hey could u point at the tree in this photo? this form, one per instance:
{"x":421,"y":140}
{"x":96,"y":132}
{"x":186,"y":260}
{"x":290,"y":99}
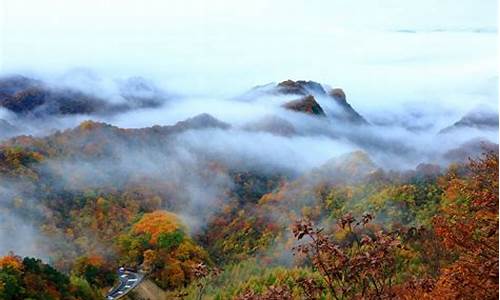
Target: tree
{"x":158,"y":244}
{"x":468,"y":226}
{"x":363,"y":265}
{"x":30,"y":278}
{"x":170,"y":240}
{"x":10,"y":283}
{"x":94,"y":270}
{"x":157,"y":223}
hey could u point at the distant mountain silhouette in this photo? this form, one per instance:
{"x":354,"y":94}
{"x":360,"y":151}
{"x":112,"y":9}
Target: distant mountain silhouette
{"x":272,"y":124}
{"x":29,"y":97}
{"x":478,"y":120}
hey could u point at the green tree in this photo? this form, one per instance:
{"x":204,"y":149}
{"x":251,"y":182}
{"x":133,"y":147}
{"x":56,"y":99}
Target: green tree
{"x":170,"y":240}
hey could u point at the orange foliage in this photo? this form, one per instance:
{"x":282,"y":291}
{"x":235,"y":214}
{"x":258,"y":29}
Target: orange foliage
{"x":156,"y":223}
{"x":12,"y":261}
{"x":95,"y":260}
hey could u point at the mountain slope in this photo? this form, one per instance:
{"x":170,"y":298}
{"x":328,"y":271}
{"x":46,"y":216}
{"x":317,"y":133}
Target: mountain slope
{"x":477,"y":119}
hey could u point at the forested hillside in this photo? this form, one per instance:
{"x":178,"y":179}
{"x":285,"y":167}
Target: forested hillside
{"x":348,"y":229}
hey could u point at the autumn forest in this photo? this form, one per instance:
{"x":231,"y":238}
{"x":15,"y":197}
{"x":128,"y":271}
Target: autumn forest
{"x":249,"y":150}
{"x":204,"y":223}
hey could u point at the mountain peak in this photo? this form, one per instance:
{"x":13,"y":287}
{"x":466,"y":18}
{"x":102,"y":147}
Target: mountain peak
{"x":312,"y":89}
{"x":349,"y":114}
{"x":338,"y":94}
{"x":307,"y":104}
{"x":300,"y":87}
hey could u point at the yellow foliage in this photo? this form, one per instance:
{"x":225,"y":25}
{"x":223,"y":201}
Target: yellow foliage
{"x":149,"y":259}
{"x":101,"y":202}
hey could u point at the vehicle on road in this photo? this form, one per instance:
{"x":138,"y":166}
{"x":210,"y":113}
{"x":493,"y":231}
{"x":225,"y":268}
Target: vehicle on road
{"x":129,"y":279}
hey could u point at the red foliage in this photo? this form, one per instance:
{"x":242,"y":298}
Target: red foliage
{"x":468,"y":226}
{"x":272,"y":293}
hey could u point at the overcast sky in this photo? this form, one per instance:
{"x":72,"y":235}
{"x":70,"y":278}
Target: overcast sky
{"x":381,"y":52}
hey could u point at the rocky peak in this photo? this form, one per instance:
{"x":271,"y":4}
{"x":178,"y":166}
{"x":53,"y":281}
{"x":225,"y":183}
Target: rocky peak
{"x":300,"y":87}
{"x":307,"y":104}
{"x":338,"y":94}
{"x":348,"y":113}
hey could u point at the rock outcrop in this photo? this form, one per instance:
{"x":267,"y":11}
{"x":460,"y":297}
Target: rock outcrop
{"x":307,"y":104}
{"x":311,"y":92}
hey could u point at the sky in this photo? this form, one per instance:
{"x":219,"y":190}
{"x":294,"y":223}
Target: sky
{"x":383,"y":53}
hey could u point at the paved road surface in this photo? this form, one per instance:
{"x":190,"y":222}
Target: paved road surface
{"x":128,"y":281}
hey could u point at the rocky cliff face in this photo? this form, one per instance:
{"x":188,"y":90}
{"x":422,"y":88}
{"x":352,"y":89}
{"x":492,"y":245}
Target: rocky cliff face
{"x":306,"y":104}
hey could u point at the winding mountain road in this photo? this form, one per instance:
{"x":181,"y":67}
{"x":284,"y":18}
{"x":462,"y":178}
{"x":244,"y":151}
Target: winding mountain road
{"x":128,"y":281}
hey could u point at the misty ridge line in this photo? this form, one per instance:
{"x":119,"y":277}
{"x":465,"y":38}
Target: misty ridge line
{"x":310,"y":125}
{"x":194,"y":139}
{"x":82,"y":92}
{"x":288,"y":109}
